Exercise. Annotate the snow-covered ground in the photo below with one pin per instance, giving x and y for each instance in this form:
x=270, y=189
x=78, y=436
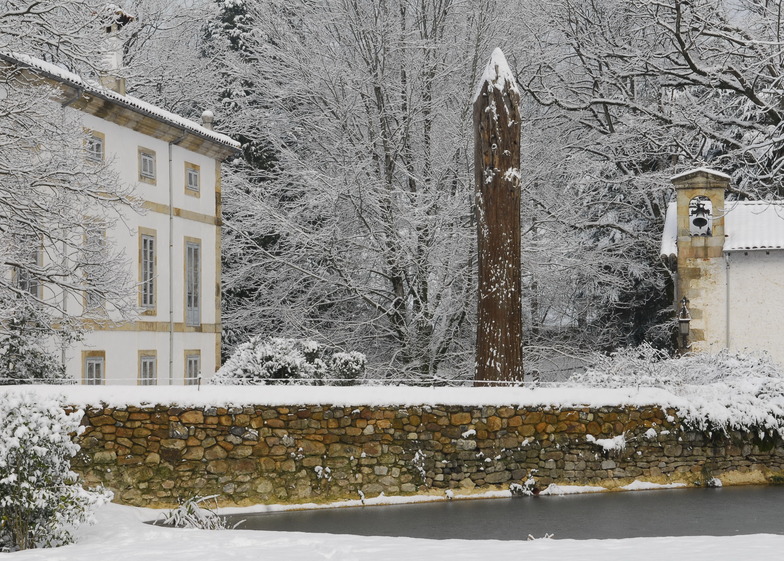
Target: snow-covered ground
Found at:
x=121, y=535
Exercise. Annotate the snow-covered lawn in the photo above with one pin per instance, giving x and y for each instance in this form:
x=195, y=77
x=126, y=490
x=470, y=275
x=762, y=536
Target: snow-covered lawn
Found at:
x=121, y=535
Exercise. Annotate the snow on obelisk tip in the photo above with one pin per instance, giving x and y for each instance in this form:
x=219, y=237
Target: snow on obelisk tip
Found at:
x=497, y=73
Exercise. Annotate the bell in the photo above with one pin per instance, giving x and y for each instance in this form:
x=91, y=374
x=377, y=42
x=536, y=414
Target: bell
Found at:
x=700, y=222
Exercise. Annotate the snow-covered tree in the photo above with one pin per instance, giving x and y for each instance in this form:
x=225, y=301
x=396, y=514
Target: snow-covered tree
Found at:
x=654, y=84
x=362, y=232
x=55, y=201
x=165, y=56
x=592, y=276
x=621, y=95
x=22, y=360
x=349, y=218
x=41, y=499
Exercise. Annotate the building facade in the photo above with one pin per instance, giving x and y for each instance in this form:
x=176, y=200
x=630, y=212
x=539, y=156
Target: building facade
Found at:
x=728, y=261
x=172, y=244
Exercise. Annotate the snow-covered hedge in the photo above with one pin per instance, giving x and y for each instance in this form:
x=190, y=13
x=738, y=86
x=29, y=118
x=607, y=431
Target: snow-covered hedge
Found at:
x=275, y=360
x=723, y=391
x=41, y=501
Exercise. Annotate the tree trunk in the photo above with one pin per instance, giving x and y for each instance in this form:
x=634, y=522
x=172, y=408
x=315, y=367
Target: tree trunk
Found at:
x=497, y=168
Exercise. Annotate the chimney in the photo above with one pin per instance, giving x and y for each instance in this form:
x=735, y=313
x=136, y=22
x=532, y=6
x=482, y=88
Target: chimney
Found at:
x=207, y=118
x=113, y=59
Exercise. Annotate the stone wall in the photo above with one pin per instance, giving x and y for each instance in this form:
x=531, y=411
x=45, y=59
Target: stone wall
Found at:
x=253, y=454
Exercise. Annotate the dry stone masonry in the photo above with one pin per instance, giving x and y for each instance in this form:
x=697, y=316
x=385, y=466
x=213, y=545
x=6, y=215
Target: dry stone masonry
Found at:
x=261, y=454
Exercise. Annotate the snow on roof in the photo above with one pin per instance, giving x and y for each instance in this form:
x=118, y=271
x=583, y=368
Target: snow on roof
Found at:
x=669, y=244
x=748, y=225
x=497, y=73
x=754, y=225
x=61, y=74
x=700, y=170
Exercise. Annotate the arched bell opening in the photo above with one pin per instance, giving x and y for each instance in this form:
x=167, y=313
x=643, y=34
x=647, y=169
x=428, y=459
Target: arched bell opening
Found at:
x=700, y=216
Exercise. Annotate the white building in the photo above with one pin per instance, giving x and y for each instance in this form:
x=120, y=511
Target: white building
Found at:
x=728, y=259
x=173, y=165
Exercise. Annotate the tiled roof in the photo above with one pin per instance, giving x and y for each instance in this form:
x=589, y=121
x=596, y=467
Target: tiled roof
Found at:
x=748, y=225
x=61, y=75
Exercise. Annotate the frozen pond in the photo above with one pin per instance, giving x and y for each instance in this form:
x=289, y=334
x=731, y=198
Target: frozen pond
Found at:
x=673, y=512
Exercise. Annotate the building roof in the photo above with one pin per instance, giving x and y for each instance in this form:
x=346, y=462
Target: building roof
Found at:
x=699, y=171
x=669, y=244
x=748, y=225
x=90, y=94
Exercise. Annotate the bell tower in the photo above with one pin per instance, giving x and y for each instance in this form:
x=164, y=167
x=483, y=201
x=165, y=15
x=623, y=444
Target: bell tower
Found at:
x=701, y=276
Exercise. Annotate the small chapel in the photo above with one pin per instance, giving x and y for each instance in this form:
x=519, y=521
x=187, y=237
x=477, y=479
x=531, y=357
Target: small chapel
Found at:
x=728, y=262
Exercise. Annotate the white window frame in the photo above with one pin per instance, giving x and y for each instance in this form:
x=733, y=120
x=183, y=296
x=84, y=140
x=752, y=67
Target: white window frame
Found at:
x=147, y=267
x=192, y=368
x=95, y=147
x=25, y=279
x=94, y=371
x=146, y=164
x=194, y=179
x=192, y=283
x=148, y=371
x=97, y=237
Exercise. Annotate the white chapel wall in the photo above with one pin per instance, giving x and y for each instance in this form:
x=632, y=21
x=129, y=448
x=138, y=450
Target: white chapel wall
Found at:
x=756, y=311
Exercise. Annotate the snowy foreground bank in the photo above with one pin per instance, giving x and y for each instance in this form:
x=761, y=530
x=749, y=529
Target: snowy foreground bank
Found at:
x=121, y=534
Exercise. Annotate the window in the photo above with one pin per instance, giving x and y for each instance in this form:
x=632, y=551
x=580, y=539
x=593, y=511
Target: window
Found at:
x=147, y=262
x=192, y=283
x=147, y=371
x=192, y=179
x=95, y=252
x=24, y=277
x=94, y=368
x=146, y=165
x=192, y=367
x=95, y=146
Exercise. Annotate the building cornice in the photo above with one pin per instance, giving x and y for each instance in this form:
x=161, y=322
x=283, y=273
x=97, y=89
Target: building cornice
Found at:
x=94, y=99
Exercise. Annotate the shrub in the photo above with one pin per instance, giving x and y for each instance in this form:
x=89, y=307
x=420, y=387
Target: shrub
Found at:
x=191, y=514
x=649, y=367
x=717, y=392
x=22, y=361
x=41, y=501
x=347, y=368
x=275, y=360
